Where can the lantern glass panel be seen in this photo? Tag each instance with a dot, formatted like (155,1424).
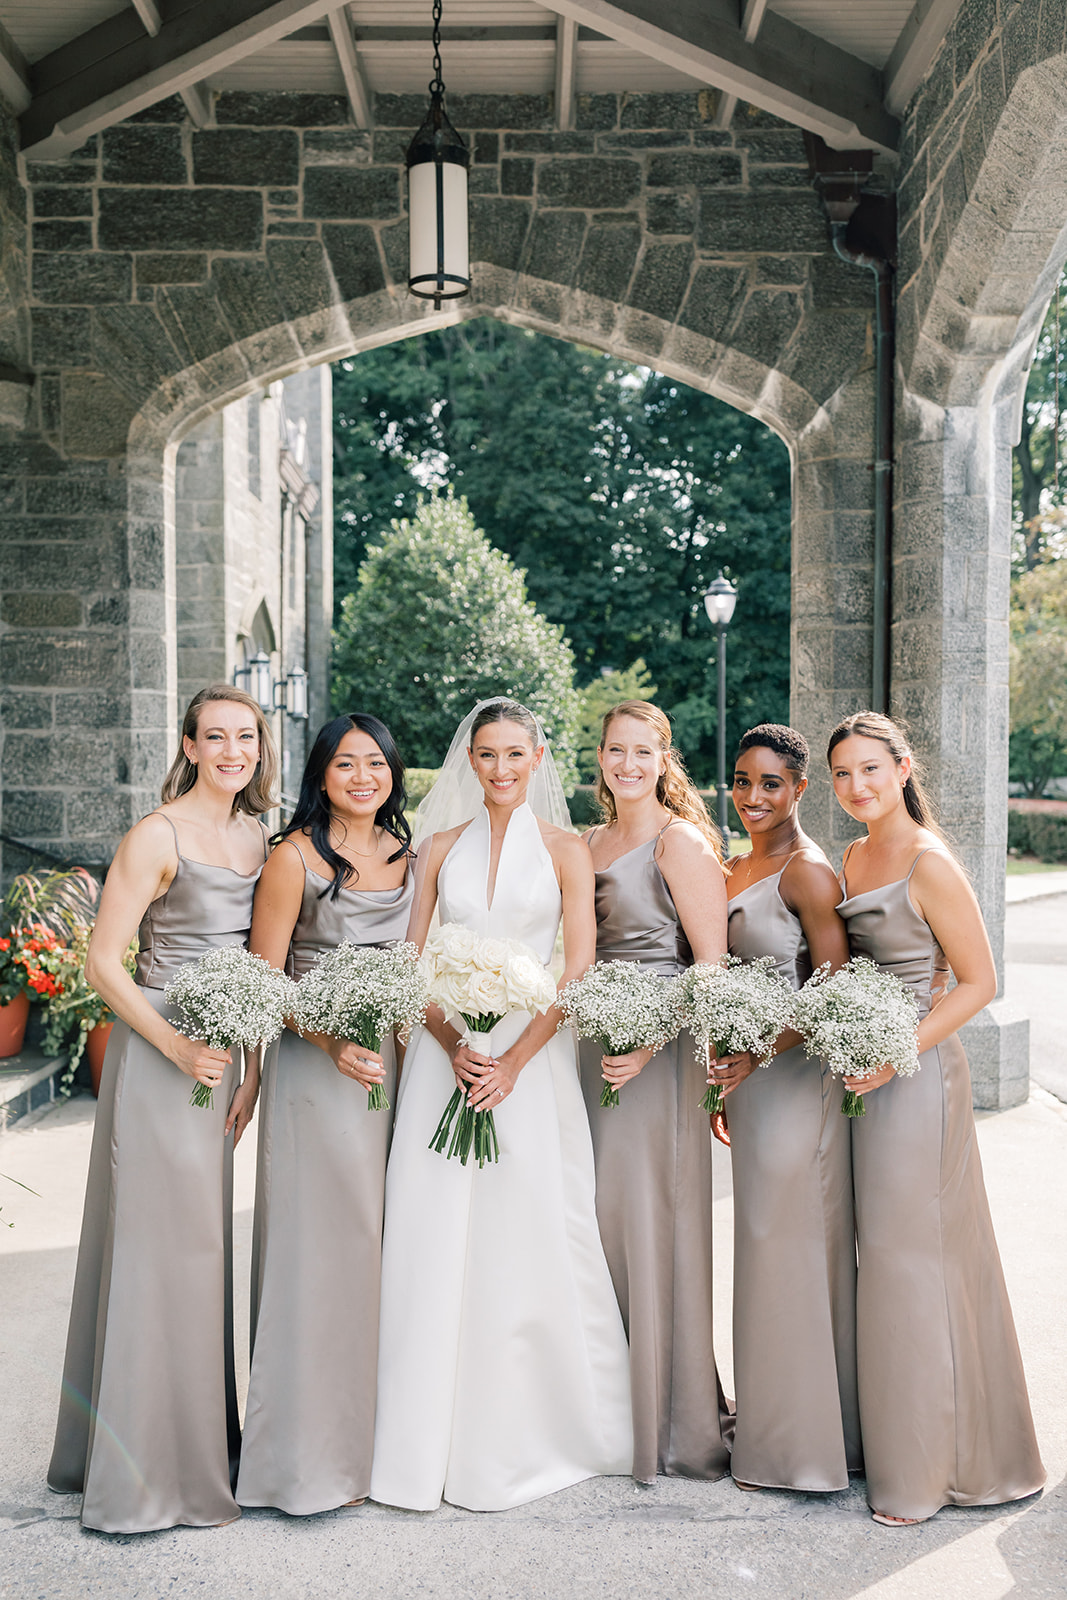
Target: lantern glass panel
(422,191)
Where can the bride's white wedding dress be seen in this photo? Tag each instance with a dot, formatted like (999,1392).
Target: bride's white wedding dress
(503,1370)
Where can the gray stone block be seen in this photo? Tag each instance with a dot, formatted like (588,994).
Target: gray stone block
(39,173)
(516,176)
(705,169)
(713,301)
(293,230)
(670,213)
(71,496)
(588,181)
(997,1043)
(644,139)
(194,321)
(773,146)
(148,552)
(37,812)
(282,198)
(390,147)
(247,296)
(768,321)
(52,610)
(498,230)
(762,178)
(829,348)
(143,154)
(554,246)
(1018,40)
(355,259)
(131,343)
(662,111)
(176,219)
(485,149)
(264,109)
(975,25)
(82,280)
(247,157)
(609,257)
(111,612)
(779,224)
(549,142)
(596,111)
(662,279)
(96,416)
(67,661)
(171,267)
(483,180)
(349,193)
(25,708)
(301,275)
(62,202)
(59,338)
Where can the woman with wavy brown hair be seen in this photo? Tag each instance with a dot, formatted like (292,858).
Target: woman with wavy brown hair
(943,1404)
(148,1429)
(660,901)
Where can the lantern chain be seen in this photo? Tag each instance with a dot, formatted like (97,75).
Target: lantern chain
(437,87)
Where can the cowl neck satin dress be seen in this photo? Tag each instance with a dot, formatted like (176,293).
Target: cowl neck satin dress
(317,1240)
(654,1196)
(794,1241)
(148,1426)
(943,1403)
(503,1371)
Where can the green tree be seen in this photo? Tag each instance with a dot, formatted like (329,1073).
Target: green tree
(1038,740)
(1039,472)
(618,491)
(438,620)
(596,699)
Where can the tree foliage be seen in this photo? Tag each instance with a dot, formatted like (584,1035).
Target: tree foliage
(619,492)
(1039,466)
(596,699)
(1038,743)
(439,620)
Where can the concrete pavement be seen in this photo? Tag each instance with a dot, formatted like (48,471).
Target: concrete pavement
(1035,957)
(600,1540)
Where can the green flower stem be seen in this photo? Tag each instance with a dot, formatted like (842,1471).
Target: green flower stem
(377,1099)
(203,1096)
(852,1104)
(470,1130)
(713,1100)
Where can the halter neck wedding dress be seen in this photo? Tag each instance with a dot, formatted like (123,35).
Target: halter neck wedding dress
(503,1370)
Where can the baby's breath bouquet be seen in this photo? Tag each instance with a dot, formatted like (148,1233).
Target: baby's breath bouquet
(626,1007)
(361,992)
(481,980)
(229,997)
(734,1006)
(858,1019)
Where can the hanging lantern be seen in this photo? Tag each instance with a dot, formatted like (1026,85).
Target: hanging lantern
(437,162)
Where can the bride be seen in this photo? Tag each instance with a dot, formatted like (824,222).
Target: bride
(503,1371)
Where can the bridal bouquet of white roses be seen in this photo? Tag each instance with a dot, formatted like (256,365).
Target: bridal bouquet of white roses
(735,1006)
(481,980)
(229,997)
(361,993)
(626,1007)
(858,1019)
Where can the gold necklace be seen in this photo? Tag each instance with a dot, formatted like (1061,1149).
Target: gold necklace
(362,854)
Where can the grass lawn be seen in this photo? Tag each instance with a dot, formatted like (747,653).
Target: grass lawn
(1018,865)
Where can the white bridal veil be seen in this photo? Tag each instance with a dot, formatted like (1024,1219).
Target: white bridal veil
(457,795)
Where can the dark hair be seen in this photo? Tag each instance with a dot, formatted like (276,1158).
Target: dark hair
(258,794)
(785,742)
(506,711)
(313,815)
(874,725)
(674,788)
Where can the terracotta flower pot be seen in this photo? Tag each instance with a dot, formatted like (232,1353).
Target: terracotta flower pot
(13,1019)
(95,1046)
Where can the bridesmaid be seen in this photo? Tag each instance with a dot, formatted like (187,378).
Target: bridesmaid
(660,901)
(341,871)
(148,1428)
(943,1403)
(794,1240)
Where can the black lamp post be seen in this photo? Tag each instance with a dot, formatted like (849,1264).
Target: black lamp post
(720,598)
(437,162)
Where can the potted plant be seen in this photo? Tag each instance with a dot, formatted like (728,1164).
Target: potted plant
(14,995)
(39,914)
(78,1019)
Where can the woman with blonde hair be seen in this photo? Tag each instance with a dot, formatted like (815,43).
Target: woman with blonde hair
(943,1405)
(148,1428)
(661,902)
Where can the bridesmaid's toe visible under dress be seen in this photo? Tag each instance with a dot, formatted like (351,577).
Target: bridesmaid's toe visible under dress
(148,1425)
(794,1243)
(654,1196)
(317,1242)
(943,1402)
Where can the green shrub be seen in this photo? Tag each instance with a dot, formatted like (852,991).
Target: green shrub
(419,781)
(1038,833)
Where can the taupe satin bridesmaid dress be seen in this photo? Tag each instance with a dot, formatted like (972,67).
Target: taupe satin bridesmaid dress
(653,1197)
(943,1403)
(148,1426)
(317,1241)
(794,1242)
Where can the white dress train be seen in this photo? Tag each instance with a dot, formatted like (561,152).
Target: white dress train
(503,1370)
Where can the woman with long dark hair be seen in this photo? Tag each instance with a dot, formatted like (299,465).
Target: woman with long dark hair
(660,902)
(148,1426)
(340,870)
(943,1405)
(794,1240)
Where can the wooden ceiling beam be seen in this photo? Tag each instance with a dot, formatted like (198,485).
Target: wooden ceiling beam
(359,96)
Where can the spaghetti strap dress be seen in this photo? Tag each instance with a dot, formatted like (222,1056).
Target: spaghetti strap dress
(148,1427)
(943,1402)
(317,1240)
(794,1242)
(502,1365)
(654,1197)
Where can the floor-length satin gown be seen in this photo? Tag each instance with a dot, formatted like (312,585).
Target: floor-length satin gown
(943,1403)
(654,1197)
(317,1241)
(503,1371)
(148,1426)
(794,1242)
